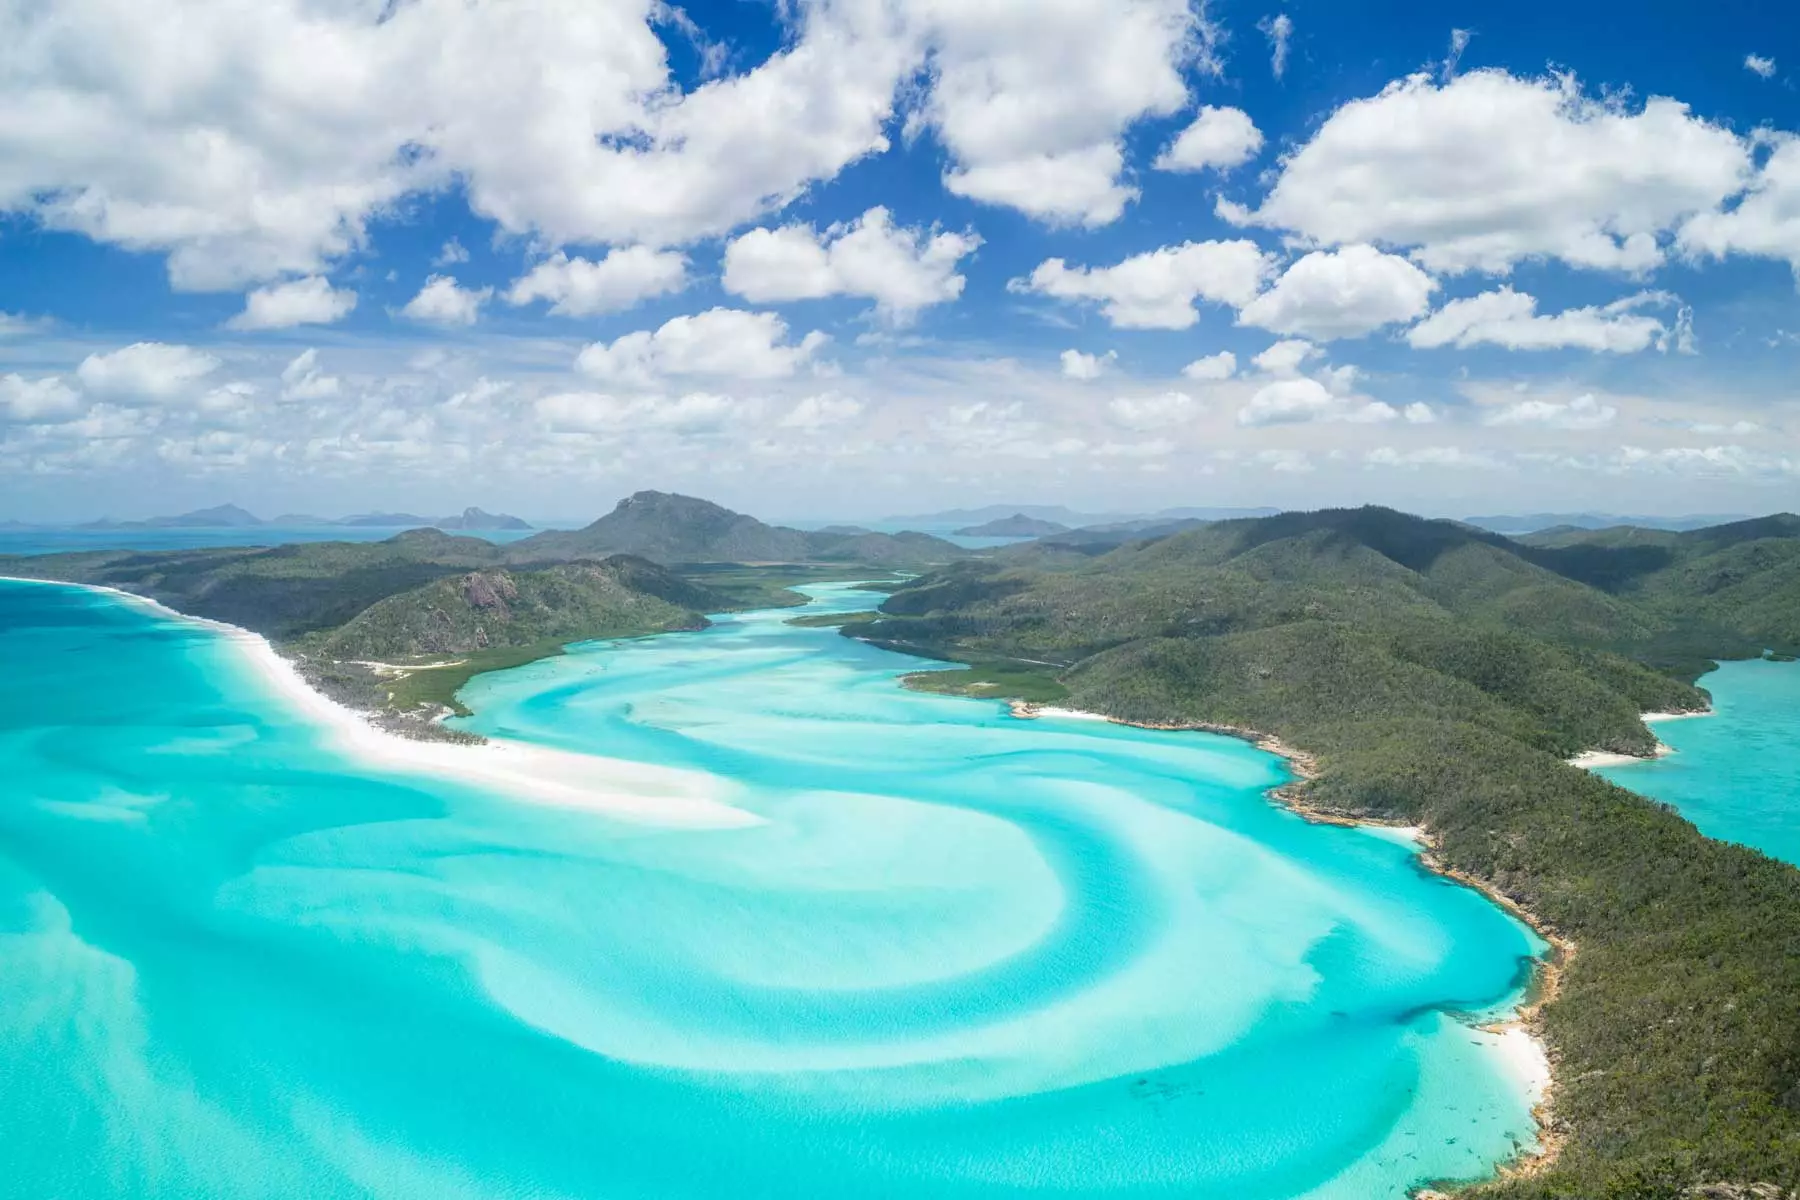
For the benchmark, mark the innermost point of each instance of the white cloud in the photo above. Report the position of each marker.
(592, 412)
(1341, 293)
(1158, 289)
(153, 371)
(309, 301)
(1155, 412)
(1222, 365)
(1428, 456)
(1766, 222)
(453, 252)
(443, 302)
(814, 413)
(1076, 365)
(722, 342)
(1032, 99)
(1490, 169)
(1459, 41)
(1278, 30)
(289, 125)
(578, 287)
(1583, 412)
(1284, 357)
(902, 270)
(1289, 402)
(1419, 413)
(1219, 139)
(303, 379)
(1510, 319)
(33, 400)
(1759, 65)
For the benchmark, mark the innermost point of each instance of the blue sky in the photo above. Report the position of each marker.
(849, 257)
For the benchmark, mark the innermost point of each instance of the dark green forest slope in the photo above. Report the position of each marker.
(1440, 675)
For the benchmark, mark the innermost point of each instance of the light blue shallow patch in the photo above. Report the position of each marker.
(963, 956)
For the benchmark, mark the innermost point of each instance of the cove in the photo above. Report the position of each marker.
(945, 953)
(1734, 773)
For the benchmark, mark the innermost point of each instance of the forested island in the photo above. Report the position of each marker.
(1431, 673)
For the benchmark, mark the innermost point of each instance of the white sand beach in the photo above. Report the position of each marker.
(1589, 759)
(640, 793)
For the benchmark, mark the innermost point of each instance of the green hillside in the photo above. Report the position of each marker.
(668, 528)
(1439, 675)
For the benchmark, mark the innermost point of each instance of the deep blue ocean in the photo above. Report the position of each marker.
(945, 953)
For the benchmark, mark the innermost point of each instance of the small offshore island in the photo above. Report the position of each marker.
(1382, 655)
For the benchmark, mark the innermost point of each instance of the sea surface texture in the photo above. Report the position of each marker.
(1736, 773)
(946, 954)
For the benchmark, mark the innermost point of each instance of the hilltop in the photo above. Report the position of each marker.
(1017, 525)
(669, 528)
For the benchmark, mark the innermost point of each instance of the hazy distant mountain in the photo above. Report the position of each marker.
(1212, 514)
(1017, 525)
(1099, 538)
(225, 516)
(1066, 517)
(381, 520)
(1534, 522)
(668, 528)
(474, 518)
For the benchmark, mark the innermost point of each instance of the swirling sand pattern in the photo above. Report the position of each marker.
(954, 955)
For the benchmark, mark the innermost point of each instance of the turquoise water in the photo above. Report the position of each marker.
(958, 955)
(1735, 774)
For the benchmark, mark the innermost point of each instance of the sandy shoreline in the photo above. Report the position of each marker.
(1521, 1044)
(1589, 759)
(628, 791)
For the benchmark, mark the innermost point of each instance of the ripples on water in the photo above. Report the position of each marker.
(961, 955)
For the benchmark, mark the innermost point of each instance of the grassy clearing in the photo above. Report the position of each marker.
(990, 681)
(832, 620)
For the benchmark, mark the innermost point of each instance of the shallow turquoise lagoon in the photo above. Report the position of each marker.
(1736, 773)
(952, 955)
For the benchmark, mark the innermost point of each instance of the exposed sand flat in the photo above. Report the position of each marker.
(637, 792)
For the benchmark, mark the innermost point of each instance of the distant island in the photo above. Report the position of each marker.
(1017, 525)
(230, 516)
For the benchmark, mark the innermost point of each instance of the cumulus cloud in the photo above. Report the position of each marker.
(154, 371)
(1583, 412)
(35, 400)
(1341, 293)
(453, 252)
(1510, 319)
(303, 379)
(1032, 100)
(1279, 30)
(578, 287)
(1766, 222)
(442, 301)
(309, 301)
(1490, 169)
(290, 125)
(722, 342)
(1222, 365)
(1285, 357)
(1301, 400)
(1076, 365)
(902, 270)
(1219, 139)
(1756, 64)
(1155, 412)
(1429, 456)
(1158, 289)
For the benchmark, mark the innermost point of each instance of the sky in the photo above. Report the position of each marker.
(842, 258)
